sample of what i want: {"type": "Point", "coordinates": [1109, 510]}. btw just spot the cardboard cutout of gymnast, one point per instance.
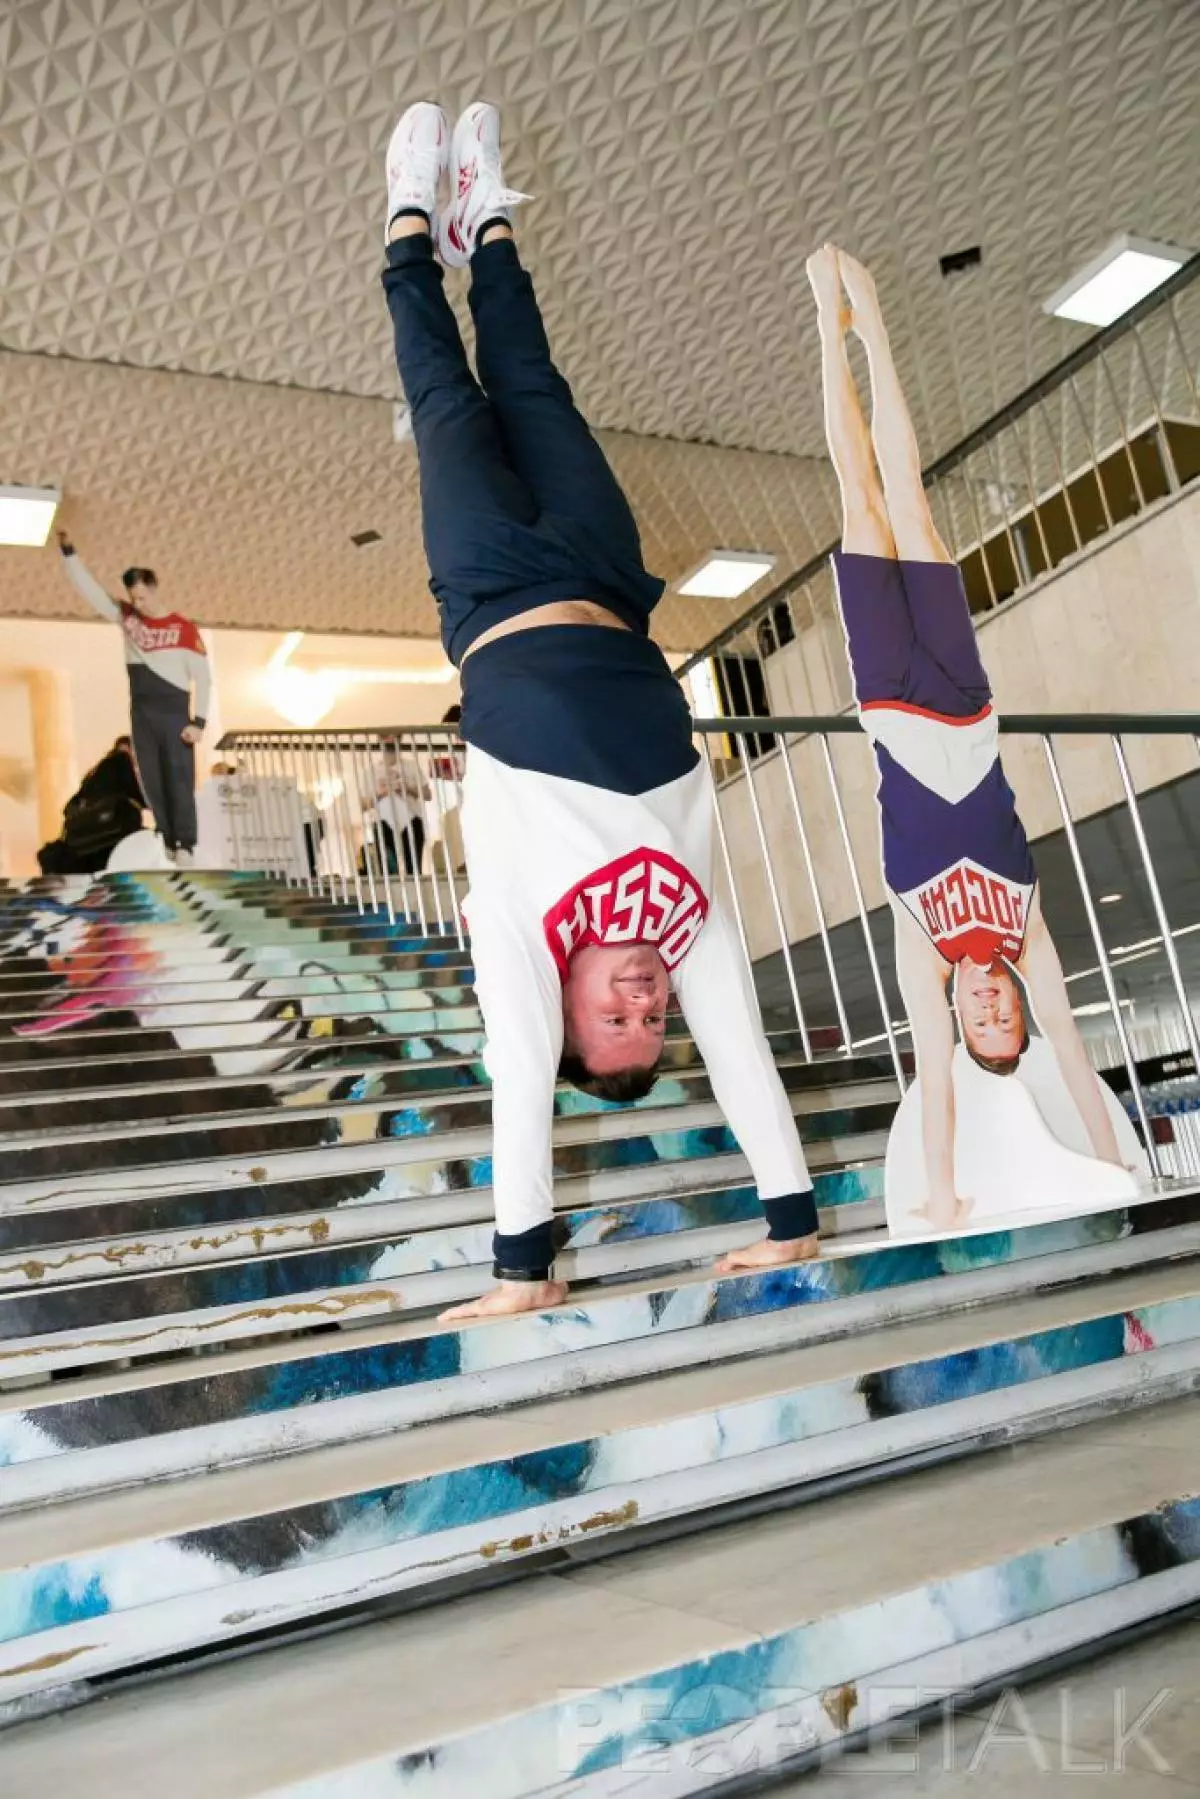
{"type": "Point", "coordinates": [957, 866]}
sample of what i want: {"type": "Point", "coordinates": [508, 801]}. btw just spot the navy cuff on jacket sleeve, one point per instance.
{"type": "Point", "coordinates": [524, 1255]}
{"type": "Point", "coordinates": [790, 1216]}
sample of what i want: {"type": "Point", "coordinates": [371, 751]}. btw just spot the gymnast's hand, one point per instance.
{"type": "Point", "coordinates": [191, 734]}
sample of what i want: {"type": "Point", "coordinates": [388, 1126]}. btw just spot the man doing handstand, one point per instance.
{"type": "Point", "coordinates": [587, 816]}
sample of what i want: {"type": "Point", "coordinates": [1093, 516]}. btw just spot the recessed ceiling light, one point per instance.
{"type": "Point", "coordinates": [1110, 899]}
{"type": "Point", "coordinates": [1124, 273]}
{"type": "Point", "coordinates": [26, 514]}
{"type": "Point", "coordinates": [726, 574]}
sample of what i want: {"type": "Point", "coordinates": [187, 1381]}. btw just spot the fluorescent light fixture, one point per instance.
{"type": "Point", "coordinates": [1111, 899]}
{"type": "Point", "coordinates": [26, 514]}
{"type": "Point", "coordinates": [726, 574]}
{"type": "Point", "coordinates": [1124, 273]}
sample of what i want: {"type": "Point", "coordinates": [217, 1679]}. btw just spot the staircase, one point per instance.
{"type": "Point", "coordinates": [682, 1532]}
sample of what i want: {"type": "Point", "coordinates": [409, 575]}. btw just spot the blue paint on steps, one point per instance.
{"type": "Point", "coordinates": [608, 1468]}
{"type": "Point", "coordinates": [270, 1390]}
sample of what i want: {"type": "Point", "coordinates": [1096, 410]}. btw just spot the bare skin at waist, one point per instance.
{"type": "Point", "coordinates": [558, 612]}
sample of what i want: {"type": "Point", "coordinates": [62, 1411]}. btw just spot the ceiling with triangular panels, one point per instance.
{"type": "Point", "coordinates": [193, 186]}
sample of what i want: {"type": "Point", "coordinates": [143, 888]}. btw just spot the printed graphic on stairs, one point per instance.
{"type": "Point", "coordinates": [244, 1162]}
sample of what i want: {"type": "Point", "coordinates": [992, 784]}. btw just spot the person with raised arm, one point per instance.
{"type": "Point", "coordinates": [169, 688]}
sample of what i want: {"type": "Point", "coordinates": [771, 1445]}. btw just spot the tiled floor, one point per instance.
{"type": "Point", "coordinates": [1060, 1737]}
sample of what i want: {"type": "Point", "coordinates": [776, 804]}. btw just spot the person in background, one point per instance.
{"type": "Point", "coordinates": [169, 685]}
{"type": "Point", "coordinates": [399, 793]}
{"type": "Point", "coordinates": [106, 808]}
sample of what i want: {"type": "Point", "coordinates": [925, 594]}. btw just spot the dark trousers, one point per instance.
{"type": "Point", "coordinates": [412, 846]}
{"type": "Point", "coordinates": [167, 770]}
{"type": "Point", "coordinates": [519, 505]}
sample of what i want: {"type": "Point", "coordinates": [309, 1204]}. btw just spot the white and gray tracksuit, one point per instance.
{"type": "Point", "coordinates": [166, 661]}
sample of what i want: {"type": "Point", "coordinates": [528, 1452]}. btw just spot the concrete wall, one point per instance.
{"type": "Point", "coordinates": [1118, 630]}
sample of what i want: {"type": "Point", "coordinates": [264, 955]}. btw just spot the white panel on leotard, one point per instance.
{"type": "Point", "coordinates": [950, 759]}
{"type": "Point", "coordinates": [1020, 1147]}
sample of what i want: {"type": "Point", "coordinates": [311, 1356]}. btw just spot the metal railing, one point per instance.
{"type": "Point", "coordinates": [1107, 432]}
{"type": "Point", "coordinates": [369, 817]}
{"type": "Point", "coordinates": [1106, 800]}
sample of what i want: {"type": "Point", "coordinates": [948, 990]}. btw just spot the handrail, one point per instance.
{"type": "Point", "coordinates": [1034, 724]}
{"type": "Point", "coordinates": [1063, 371]}
{"type": "Point", "coordinates": [1040, 724]}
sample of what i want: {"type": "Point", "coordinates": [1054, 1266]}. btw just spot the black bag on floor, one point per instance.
{"type": "Point", "coordinates": [92, 829]}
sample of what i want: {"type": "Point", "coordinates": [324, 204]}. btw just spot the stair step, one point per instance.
{"type": "Point", "coordinates": [446, 1229]}
{"type": "Point", "coordinates": [32, 1094]}
{"type": "Point", "coordinates": [456, 1499]}
{"type": "Point", "coordinates": [211, 970]}
{"type": "Point", "coordinates": [650, 1132]}
{"type": "Point", "coordinates": [274, 1397]}
{"type": "Point", "coordinates": [152, 1311]}
{"type": "Point", "coordinates": [977, 1570]}
{"type": "Point", "coordinates": [830, 1106]}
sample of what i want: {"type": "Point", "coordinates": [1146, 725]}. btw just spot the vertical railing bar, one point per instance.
{"type": "Point", "coordinates": [295, 745]}
{"type": "Point", "coordinates": [810, 869]}
{"type": "Point", "coordinates": [1140, 491]}
{"type": "Point", "coordinates": [864, 919]}
{"type": "Point", "coordinates": [1184, 357]}
{"type": "Point", "coordinates": [437, 800]}
{"type": "Point", "coordinates": [312, 780]}
{"type": "Point", "coordinates": [434, 878]}
{"type": "Point", "coordinates": [418, 881]}
{"type": "Point", "coordinates": [1031, 483]}
{"type": "Point", "coordinates": [776, 902]}
{"type": "Point", "coordinates": [1106, 972]}
{"type": "Point", "coordinates": [1091, 448]}
{"type": "Point", "coordinates": [333, 831]}
{"type": "Point", "coordinates": [274, 801]}
{"type": "Point", "coordinates": [235, 782]}
{"type": "Point", "coordinates": [969, 485]}
{"type": "Point", "coordinates": [377, 848]}
{"type": "Point", "coordinates": [727, 859]}
{"type": "Point", "coordinates": [1060, 471]}
{"type": "Point", "coordinates": [347, 819]}
{"type": "Point", "coordinates": [261, 821]}
{"type": "Point", "coordinates": [270, 749]}
{"type": "Point", "coordinates": [410, 903]}
{"type": "Point", "coordinates": [1160, 911]}
{"type": "Point", "coordinates": [1002, 498]}
{"type": "Point", "coordinates": [365, 811]}
{"type": "Point", "coordinates": [1170, 467]}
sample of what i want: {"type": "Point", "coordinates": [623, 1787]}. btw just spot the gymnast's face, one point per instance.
{"type": "Point", "coordinates": [990, 1011]}
{"type": "Point", "coordinates": [615, 1006]}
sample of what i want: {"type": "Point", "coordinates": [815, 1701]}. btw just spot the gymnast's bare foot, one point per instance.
{"type": "Point", "coordinates": [771, 1254]}
{"type": "Point", "coordinates": [866, 315]}
{"type": "Point", "coordinates": [507, 1300]}
{"type": "Point", "coordinates": [825, 281]}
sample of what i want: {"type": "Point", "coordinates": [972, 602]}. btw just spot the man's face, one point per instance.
{"type": "Point", "coordinates": [990, 1010]}
{"type": "Point", "coordinates": [615, 1006]}
{"type": "Point", "coordinates": [146, 598]}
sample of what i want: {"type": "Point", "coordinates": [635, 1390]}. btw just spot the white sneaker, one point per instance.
{"type": "Point", "coordinates": [416, 157]}
{"type": "Point", "coordinates": [477, 190]}
{"type": "Point", "coordinates": [184, 858]}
